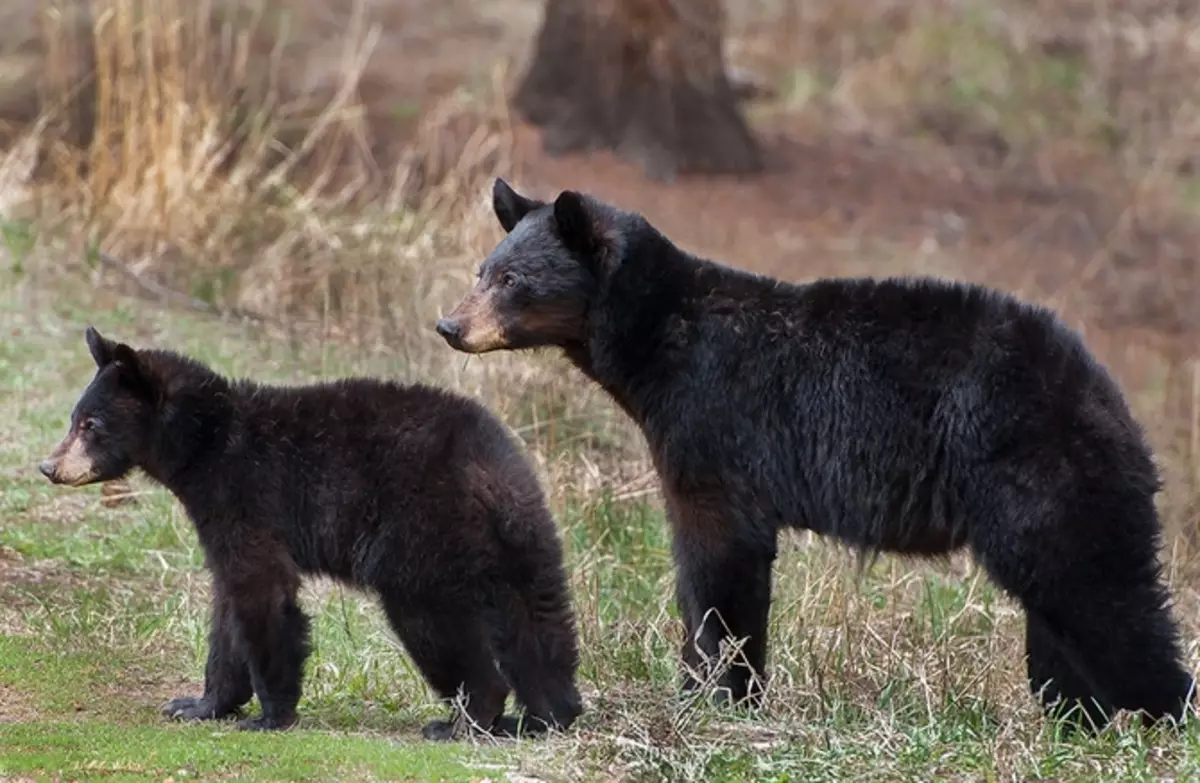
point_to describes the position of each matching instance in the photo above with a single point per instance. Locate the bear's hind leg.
(723, 587)
(449, 646)
(1126, 643)
(226, 676)
(1086, 571)
(534, 639)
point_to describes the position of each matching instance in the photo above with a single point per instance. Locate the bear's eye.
(509, 279)
(87, 425)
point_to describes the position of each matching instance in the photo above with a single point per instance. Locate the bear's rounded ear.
(100, 347)
(575, 225)
(509, 205)
(125, 355)
(130, 367)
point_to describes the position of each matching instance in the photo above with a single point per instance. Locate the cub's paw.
(193, 708)
(264, 723)
(513, 727)
(439, 731)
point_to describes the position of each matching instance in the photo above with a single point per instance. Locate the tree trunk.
(644, 78)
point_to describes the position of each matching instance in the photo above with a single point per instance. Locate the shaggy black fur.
(413, 493)
(911, 416)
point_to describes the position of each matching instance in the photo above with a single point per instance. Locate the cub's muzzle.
(69, 463)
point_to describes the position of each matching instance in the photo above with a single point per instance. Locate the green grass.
(116, 752)
(902, 672)
(89, 716)
(88, 723)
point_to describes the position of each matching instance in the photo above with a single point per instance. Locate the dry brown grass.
(244, 151)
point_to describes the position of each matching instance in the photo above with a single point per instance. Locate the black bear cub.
(907, 415)
(411, 492)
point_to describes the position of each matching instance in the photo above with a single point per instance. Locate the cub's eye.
(509, 279)
(87, 425)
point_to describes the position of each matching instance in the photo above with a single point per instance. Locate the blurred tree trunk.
(644, 78)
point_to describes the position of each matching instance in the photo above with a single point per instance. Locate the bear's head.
(536, 286)
(112, 422)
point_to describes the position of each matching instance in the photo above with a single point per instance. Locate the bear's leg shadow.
(274, 635)
(723, 587)
(226, 676)
(448, 644)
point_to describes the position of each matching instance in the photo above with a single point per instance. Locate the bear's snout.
(474, 325)
(48, 468)
(449, 329)
(70, 463)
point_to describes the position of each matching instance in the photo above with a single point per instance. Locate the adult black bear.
(409, 491)
(902, 415)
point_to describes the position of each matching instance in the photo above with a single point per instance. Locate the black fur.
(911, 416)
(413, 493)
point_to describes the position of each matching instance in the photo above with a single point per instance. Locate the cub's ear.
(106, 352)
(100, 347)
(576, 226)
(126, 357)
(132, 374)
(509, 205)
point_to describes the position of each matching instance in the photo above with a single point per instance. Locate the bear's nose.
(448, 328)
(47, 468)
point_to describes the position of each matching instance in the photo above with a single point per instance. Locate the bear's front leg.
(273, 634)
(226, 677)
(723, 586)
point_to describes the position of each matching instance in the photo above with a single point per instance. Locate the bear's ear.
(100, 347)
(576, 228)
(509, 205)
(126, 357)
(132, 374)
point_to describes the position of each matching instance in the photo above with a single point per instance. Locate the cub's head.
(112, 422)
(535, 287)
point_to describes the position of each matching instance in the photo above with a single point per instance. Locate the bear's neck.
(642, 320)
(192, 441)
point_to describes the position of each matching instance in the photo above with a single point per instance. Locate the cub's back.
(361, 469)
(373, 441)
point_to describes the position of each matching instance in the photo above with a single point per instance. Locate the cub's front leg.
(226, 676)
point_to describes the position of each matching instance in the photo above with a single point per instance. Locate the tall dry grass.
(232, 153)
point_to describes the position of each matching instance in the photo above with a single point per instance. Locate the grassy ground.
(907, 673)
